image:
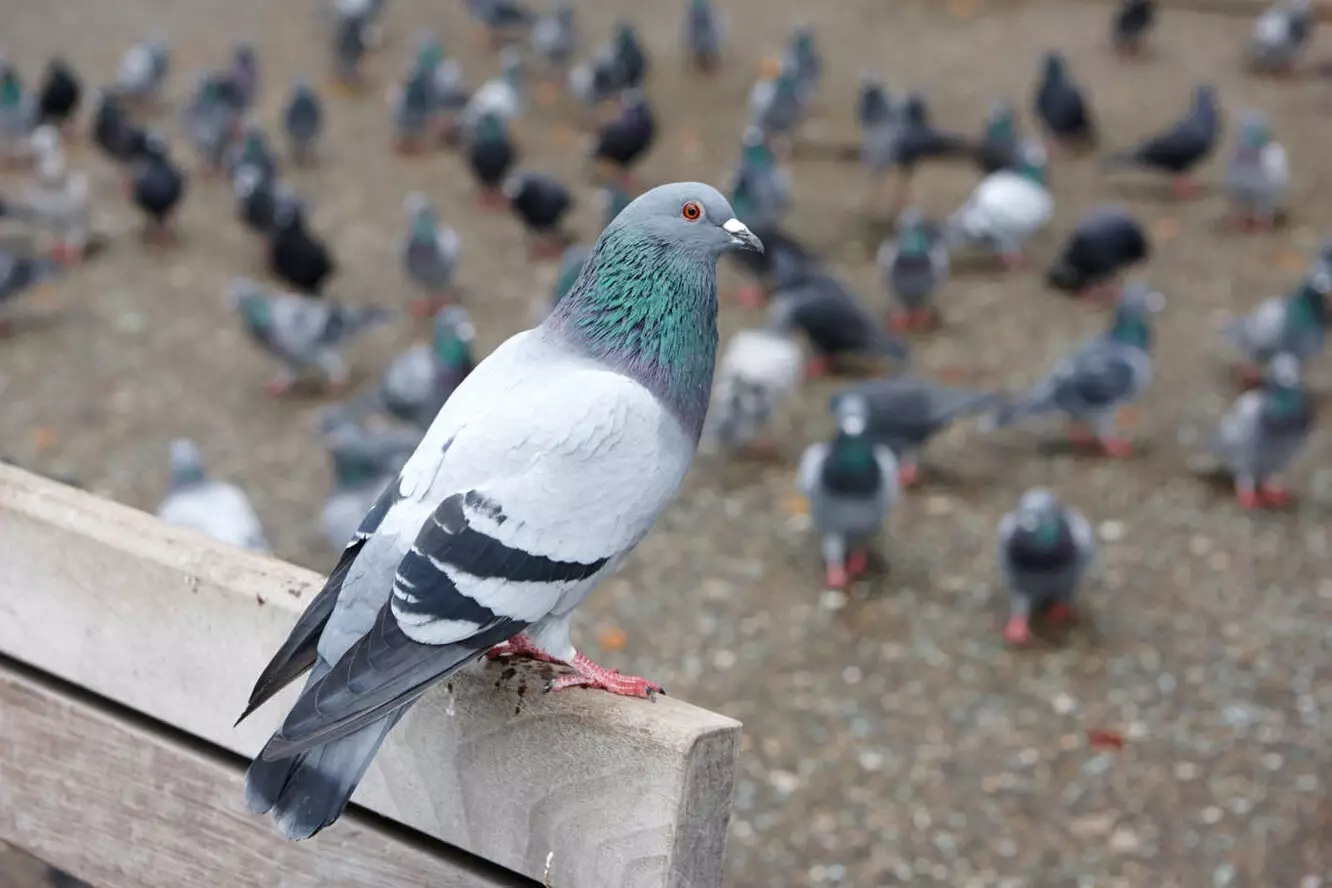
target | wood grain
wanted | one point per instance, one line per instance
(624, 793)
(116, 805)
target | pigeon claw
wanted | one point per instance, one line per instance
(1250, 376)
(423, 308)
(857, 563)
(278, 387)
(1250, 499)
(1014, 261)
(1017, 632)
(836, 577)
(1118, 448)
(1080, 435)
(520, 646)
(1274, 496)
(816, 367)
(490, 199)
(908, 475)
(587, 674)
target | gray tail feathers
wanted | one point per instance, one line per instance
(1036, 400)
(309, 791)
(969, 403)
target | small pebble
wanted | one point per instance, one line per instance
(832, 600)
(1211, 815)
(1124, 841)
(1111, 531)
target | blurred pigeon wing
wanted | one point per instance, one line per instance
(811, 467)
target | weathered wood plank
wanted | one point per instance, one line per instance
(624, 793)
(116, 804)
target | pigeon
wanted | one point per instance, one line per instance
(513, 508)
(364, 464)
(296, 255)
(413, 110)
(1100, 248)
(622, 142)
(851, 484)
(1295, 325)
(571, 266)
(914, 264)
(1181, 148)
(1257, 174)
(1062, 109)
(351, 41)
(1280, 36)
(253, 151)
(760, 190)
(143, 72)
(211, 120)
(257, 199)
(1093, 383)
(500, 18)
(1263, 432)
(803, 58)
(157, 187)
(1006, 209)
(906, 138)
(58, 97)
(631, 61)
(1045, 549)
(20, 274)
(244, 73)
(216, 508)
(833, 319)
(594, 81)
(1001, 145)
(491, 156)
(703, 35)
(554, 36)
(302, 332)
(58, 202)
(429, 255)
(774, 105)
(501, 96)
(759, 368)
(905, 412)
(302, 121)
(1130, 25)
(118, 138)
(418, 382)
(18, 117)
(541, 203)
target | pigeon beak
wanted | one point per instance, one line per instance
(741, 236)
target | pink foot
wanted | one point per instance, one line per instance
(1250, 499)
(1059, 614)
(836, 578)
(857, 563)
(816, 367)
(1184, 187)
(1250, 376)
(1017, 632)
(1080, 435)
(423, 308)
(490, 200)
(900, 323)
(908, 474)
(589, 675)
(750, 296)
(545, 249)
(520, 646)
(1118, 448)
(408, 147)
(1014, 261)
(278, 387)
(1274, 496)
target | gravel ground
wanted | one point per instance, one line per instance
(1176, 739)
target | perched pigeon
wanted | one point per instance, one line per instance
(115, 135)
(1257, 174)
(500, 17)
(541, 203)
(157, 187)
(906, 411)
(1045, 548)
(1280, 36)
(1128, 29)
(833, 318)
(418, 382)
(257, 199)
(513, 507)
(58, 202)
(143, 71)
(1093, 383)
(803, 58)
(253, 151)
(491, 156)
(554, 36)
(302, 332)
(429, 255)
(1062, 109)
(759, 368)
(501, 96)
(1001, 144)
(1263, 432)
(296, 255)
(703, 34)
(1006, 209)
(216, 508)
(1295, 325)
(914, 264)
(760, 189)
(622, 142)
(904, 138)
(1179, 149)
(18, 116)
(58, 97)
(851, 484)
(20, 274)
(1100, 248)
(302, 121)
(364, 464)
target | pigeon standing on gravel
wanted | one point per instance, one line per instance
(143, 72)
(244, 73)
(703, 33)
(1130, 26)
(760, 189)
(491, 156)
(302, 121)
(157, 187)
(1263, 432)
(257, 199)
(541, 203)
(1179, 149)
(302, 332)
(296, 255)
(803, 58)
(512, 509)
(351, 41)
(413, 110)
(211, 120)
(759, 368)
(1062, 109)
(58, 97)
(622, 142)
(914, 265)
(775, 107)
(418, 382)
(851, 484)
(1257, 174)
(1045, 549)
(1101, 247)
(1092, 384)
(429, 256)
(1280, 36)
(1295, 325)
(216, 508)
(58, 202)
(1006, 209)
(905, 412)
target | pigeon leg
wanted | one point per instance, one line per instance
(834, 556)
(1250, 375)
(409, 146)
(1117, 448)
(908, 473)
(520, 646)
(816, 367)
(1273, 495)
(281, 384)
(589, 675)
(490, 199)
(424, 308)
(1059, 614)
(923, 320)
(749, 296)
(857, 562)
(1246, 491)
(1184, 187)
(1017, 631)
(900, 322)
(1079, 433)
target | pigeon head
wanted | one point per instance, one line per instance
(1056, 68)
(417, 205)
(453, 337)
(915, 110)
(1040, 516)
(852, 413)
(802, 39)
(851, 467)
(186, 463)
(689, 218)
(1255, 132)
(1131, 325)
(1308, 308)
(11, 88)
(1032, 162)
(1204, 96)
(429, 52)
(1000, 120)
(155, 147)
(244, 57)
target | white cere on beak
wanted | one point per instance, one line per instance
(853, 423)
(742, 236)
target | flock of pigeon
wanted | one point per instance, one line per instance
(882, 422)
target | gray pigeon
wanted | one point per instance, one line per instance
(364, 463)
(429, 256)
(760, 189)
(803, 58)
(303, 121)
(500, 18)
(542, 472)
(1295, 325)
(216, 508)
(211, 120)
(413, 110)
(20, 274)
(1263, 432)
(19, 116)
(1280, 36)
(1007, 208)
(775, 107)
(554, 36)
(352, 32)
(356, 487)
(302, 332)
(914, 265)
(1093, 383)
(143, 71)
(1045, 549)
(1257, 174)
(703, 34)
(851, 484)
(905, 412)
(418, 382)
(759, 368)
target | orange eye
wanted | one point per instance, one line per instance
(692, 211)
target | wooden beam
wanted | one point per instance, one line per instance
(175, 626)
(115, 803)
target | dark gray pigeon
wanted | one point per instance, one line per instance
(1295, 325)
(760, 189)
(302, 121)
(1179, 149)
(914, 265)
(429, 256)
(703, 32)
(554, 36)
(20, 274)
(1045, 549)
(1263, 432)
(1132, 22)
(1062, 109)
(1102, 246)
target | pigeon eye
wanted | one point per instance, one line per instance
(692, 211)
